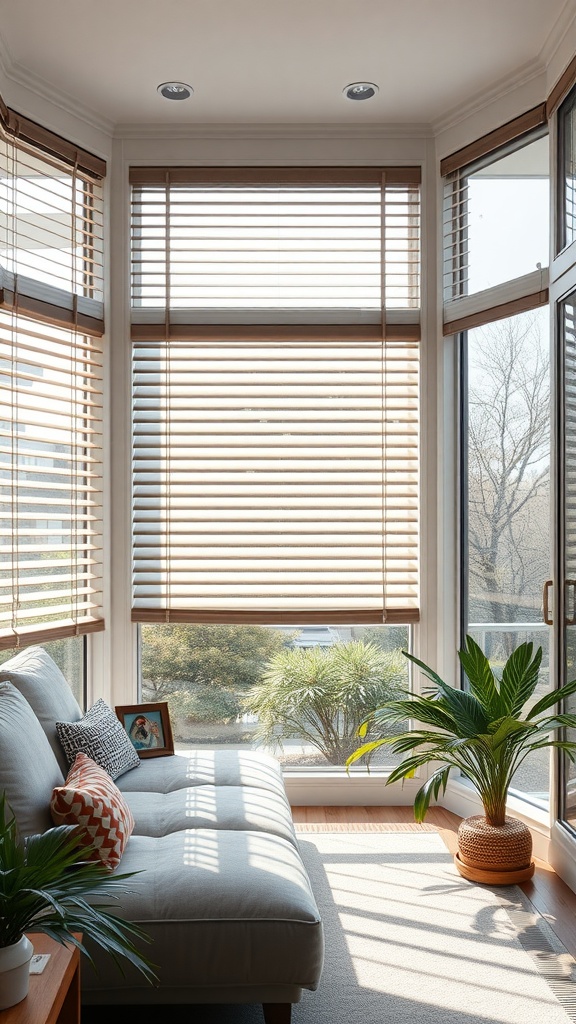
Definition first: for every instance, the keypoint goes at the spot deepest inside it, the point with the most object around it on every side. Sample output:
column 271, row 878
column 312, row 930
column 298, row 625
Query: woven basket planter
column 494, row 854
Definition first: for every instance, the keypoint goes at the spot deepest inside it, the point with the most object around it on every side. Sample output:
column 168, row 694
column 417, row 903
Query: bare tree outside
column 508, row 470
column 508, row 500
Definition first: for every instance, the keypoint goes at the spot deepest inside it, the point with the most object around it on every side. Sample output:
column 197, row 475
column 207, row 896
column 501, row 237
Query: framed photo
column 148, row 727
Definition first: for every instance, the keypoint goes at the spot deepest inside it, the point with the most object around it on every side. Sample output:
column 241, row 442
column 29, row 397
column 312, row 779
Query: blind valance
column 50, row 144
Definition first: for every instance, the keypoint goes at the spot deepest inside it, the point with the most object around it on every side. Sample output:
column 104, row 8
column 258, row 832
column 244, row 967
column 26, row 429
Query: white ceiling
column 273, row 61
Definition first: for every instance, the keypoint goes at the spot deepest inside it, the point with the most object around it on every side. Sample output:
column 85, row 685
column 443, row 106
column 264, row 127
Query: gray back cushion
column 37, row 676
column 28, row 769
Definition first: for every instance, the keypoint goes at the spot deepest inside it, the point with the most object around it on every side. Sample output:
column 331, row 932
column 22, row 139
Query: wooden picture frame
column 148, row 727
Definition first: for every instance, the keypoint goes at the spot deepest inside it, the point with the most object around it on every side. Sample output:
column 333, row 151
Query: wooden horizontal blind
column 51, row 419
column 276, row 481
column 51, row 243
column 455, row 235
column 275, row 411
column 50, row 442
column 247, row 250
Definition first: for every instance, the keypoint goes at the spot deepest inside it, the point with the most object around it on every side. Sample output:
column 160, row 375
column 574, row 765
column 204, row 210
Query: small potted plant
column 485, row 731
column 47, row 885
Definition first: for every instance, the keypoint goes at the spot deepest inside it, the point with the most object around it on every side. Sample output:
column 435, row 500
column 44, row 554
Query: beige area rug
column 409, row 940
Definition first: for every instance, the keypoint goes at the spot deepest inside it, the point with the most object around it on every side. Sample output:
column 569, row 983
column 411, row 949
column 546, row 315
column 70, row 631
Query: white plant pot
column 15, row 972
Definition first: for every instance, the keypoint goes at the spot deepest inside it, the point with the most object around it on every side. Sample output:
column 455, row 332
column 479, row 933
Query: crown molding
column 510, row 83
column 559, row 30
column 273, row 132
column 30, row 81
column 5, row 58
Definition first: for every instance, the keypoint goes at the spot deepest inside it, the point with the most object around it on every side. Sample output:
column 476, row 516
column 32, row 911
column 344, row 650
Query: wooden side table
column 54, row 996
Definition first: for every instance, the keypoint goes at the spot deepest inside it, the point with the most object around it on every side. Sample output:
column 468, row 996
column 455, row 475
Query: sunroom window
column 496, row 218
column 567, row 171
column 51, row 323
column 275, row 329
column 496, row 235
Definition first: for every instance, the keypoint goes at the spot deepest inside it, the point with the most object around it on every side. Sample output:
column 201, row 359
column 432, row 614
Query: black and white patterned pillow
column 101, row 736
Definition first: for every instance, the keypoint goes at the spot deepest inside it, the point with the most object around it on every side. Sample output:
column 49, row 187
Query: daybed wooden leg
column 277, row 1013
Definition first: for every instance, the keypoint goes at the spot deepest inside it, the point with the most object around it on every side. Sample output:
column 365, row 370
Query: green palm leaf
column 47, row 885
column 431, row 788
column 430, row 711
column 520, row 677
column 468, row 714
column 424, row 668
column 410, row 766
column 503, row 729
column 560, row 721
column 552, row 698
column 481, row 678
column 410, row 740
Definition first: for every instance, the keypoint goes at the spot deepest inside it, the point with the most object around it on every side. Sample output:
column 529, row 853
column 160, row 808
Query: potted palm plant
column 485, row 731
column 48, row 886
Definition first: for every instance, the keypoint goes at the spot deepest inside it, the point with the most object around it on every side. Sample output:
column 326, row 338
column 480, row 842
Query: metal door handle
column 546, row 610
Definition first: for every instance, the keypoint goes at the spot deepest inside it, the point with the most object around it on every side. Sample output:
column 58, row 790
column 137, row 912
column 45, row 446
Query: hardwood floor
column 549, row 895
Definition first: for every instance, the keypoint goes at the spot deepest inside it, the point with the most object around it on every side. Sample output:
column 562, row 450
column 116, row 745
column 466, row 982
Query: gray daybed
column 223, row 892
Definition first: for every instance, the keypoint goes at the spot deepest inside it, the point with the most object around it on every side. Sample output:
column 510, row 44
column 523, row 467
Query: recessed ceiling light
column 360, row 90
column 175, row 90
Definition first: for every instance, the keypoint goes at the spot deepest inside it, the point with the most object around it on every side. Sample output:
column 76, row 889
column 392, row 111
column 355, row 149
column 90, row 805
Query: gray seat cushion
column 29, row 770
column 37, row 676
column 224, row 909
column 200, row 767
column 237, row 808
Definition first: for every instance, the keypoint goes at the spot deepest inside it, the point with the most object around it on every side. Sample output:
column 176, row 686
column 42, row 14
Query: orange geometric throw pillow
column 91, row 799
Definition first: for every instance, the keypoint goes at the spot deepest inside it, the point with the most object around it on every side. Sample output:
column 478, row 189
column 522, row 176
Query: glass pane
column 51, row 223
column 567, row 127
column 507, row 217
column 568, row 448
column 275, row 247
column 508, row 497
column 69, row 656
column 298, row 692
